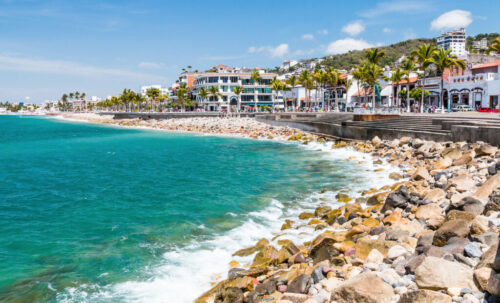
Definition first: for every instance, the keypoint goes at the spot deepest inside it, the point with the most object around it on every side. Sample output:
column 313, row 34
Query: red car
column 488, row 110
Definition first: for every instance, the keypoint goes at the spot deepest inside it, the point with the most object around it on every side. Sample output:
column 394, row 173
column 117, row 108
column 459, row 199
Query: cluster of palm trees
column 422, row 60
column 425, row 59
column 64, row 103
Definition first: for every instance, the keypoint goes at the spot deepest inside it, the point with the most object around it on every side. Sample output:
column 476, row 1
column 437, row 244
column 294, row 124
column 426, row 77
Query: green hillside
column 393, row 53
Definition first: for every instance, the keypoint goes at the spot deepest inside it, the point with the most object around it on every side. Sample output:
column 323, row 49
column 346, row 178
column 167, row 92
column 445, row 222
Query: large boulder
column 487, row 188
column 365, row 245
column 436, row 273
column 442, row 163
column 486, row 150
column 229, row 295
column 364, row 288
column 463, row 183
column 421, row 173
column 429, row 211
column 300, row 285
column 322, row 248
column 424, row 296
column 454, row 228
column 397, row 199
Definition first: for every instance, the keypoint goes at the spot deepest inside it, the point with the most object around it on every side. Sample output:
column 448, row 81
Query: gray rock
column 397, row 199
column 470, row 204
column 488, row 238
column 455, row 245
column 300, row 285
column 317, row 274
column 396, row 235
column 473, row 249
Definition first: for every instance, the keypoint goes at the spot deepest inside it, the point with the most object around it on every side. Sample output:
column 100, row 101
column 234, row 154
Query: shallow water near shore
column 92, row 213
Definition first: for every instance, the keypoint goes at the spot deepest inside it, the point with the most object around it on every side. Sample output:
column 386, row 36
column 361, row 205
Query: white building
column 478, row 87
column 287, row 64
column 226, row 80
column 163, row 90
column 454, row 40
column 481, row 44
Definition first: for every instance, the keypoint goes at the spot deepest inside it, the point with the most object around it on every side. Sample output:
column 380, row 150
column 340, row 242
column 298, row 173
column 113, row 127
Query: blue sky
column 48, row 48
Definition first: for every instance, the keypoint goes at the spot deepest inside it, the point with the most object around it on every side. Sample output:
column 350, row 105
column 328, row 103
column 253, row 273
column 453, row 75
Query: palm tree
column 183, row 97
column 276, row 86
column 397, row 77
column 293, row 82
column 256, row 77
column 442, row 60
column 237, row 90
column 214, row 92
column 408, row 66
column 347, row 85
column 153, row 93
column 320, row 77
column 373, row 74
column 424, row 56
column 358, row 75
column 333, row 77
column 307, row 82
column 495, row 46
column 374, row 55
column 203, row 93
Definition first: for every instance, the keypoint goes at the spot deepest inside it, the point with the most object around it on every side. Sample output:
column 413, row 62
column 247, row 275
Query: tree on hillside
column 495, row 46
column 374, row 55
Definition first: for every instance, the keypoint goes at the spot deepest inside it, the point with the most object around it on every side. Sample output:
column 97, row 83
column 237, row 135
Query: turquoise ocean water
column 93, row 213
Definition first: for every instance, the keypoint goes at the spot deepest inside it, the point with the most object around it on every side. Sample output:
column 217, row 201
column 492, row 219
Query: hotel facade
column 226, row 79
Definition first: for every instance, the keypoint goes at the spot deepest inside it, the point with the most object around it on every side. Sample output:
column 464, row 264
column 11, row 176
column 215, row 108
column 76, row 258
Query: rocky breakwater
column 431, row 237
column 243, row 127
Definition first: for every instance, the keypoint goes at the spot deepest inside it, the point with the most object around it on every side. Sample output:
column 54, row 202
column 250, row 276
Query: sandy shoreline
column 432, row 234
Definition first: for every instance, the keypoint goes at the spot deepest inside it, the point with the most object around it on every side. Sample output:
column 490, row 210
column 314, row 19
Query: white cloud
column 354, row 28
column 323, row 32
column 307, row 37
column 345, row 45
column 387, row 30
column 451, row 20
column 10, row 63
column 395, row 6
column 150, row 65
column 278, row 51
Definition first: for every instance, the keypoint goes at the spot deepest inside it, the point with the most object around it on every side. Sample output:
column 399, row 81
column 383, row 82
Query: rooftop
column 490, row 64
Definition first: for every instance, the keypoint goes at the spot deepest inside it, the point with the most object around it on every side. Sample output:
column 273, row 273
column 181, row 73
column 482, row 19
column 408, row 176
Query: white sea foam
column 189, row 271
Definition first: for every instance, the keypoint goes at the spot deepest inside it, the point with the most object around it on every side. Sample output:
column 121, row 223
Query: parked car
column 440, row 110
column 488, row 110
column 463, row 108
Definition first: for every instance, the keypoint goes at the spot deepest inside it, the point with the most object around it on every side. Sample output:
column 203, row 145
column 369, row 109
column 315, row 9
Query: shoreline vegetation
column 431, row 236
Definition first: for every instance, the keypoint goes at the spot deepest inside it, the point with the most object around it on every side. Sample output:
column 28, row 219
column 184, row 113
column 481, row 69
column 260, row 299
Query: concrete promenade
column 469, row 127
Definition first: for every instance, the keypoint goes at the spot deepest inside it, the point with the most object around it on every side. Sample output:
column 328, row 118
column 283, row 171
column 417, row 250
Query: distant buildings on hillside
column 454, row 41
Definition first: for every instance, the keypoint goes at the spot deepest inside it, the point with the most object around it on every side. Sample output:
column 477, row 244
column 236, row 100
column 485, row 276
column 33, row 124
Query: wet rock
column 264, row 257
column 365, row 288
column 251, row 250
column 300, row 285
column 395, row 176
column 397, row 199
column 322, row 248
column 454, row 228
column 229, row 295
column 424, row 296
column 435, row 273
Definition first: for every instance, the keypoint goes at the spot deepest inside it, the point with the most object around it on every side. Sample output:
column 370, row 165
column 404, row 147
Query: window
column 224, row 79
column 234, row 79
column 247, row 81
column 224, row 88
column 213, row 79
column 247, row 98
column 248, row 90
